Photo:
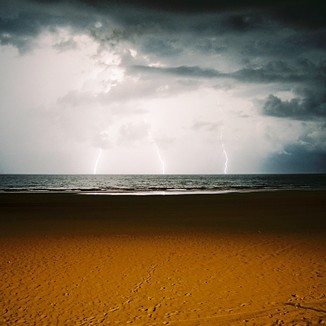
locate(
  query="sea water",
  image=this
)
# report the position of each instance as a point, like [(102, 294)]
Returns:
[(160, 184)]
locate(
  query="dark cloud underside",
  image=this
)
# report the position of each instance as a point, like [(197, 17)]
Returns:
[(296, 160)]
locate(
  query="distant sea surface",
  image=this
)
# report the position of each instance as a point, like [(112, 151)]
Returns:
[(160, 184)]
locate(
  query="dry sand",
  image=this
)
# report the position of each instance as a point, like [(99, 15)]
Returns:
[(235, 259)]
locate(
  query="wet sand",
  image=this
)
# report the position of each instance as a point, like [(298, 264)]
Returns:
[(233, 259)]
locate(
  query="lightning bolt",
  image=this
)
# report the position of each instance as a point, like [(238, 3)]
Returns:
[(226, 158), (100, 151), (158, 152), (225, 153)]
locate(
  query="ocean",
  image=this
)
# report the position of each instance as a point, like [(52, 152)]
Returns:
[(160, 184)]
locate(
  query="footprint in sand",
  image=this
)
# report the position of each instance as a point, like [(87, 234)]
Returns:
[(114, 309), (173, 313)]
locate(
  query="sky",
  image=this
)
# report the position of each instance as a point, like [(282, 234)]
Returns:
[(137, 87)]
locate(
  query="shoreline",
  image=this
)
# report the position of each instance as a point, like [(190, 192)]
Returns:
[(158, 192)]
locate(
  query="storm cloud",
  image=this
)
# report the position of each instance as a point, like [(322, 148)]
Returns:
[(81, 75)]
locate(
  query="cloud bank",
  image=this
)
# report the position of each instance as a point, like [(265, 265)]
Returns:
[(82, 75)]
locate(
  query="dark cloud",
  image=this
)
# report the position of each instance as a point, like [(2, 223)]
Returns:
[(297, 72), (306, 154), (182, 71), (274, 71), (310, 100), (304, 13), (296, 159), (21, 20), (302, 109), (282, 71), (244, 22), (164, 48)]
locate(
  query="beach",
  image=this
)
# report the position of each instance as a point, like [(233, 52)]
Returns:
[(226, 259)]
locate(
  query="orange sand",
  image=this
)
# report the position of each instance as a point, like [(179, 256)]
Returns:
[(85, 260)]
